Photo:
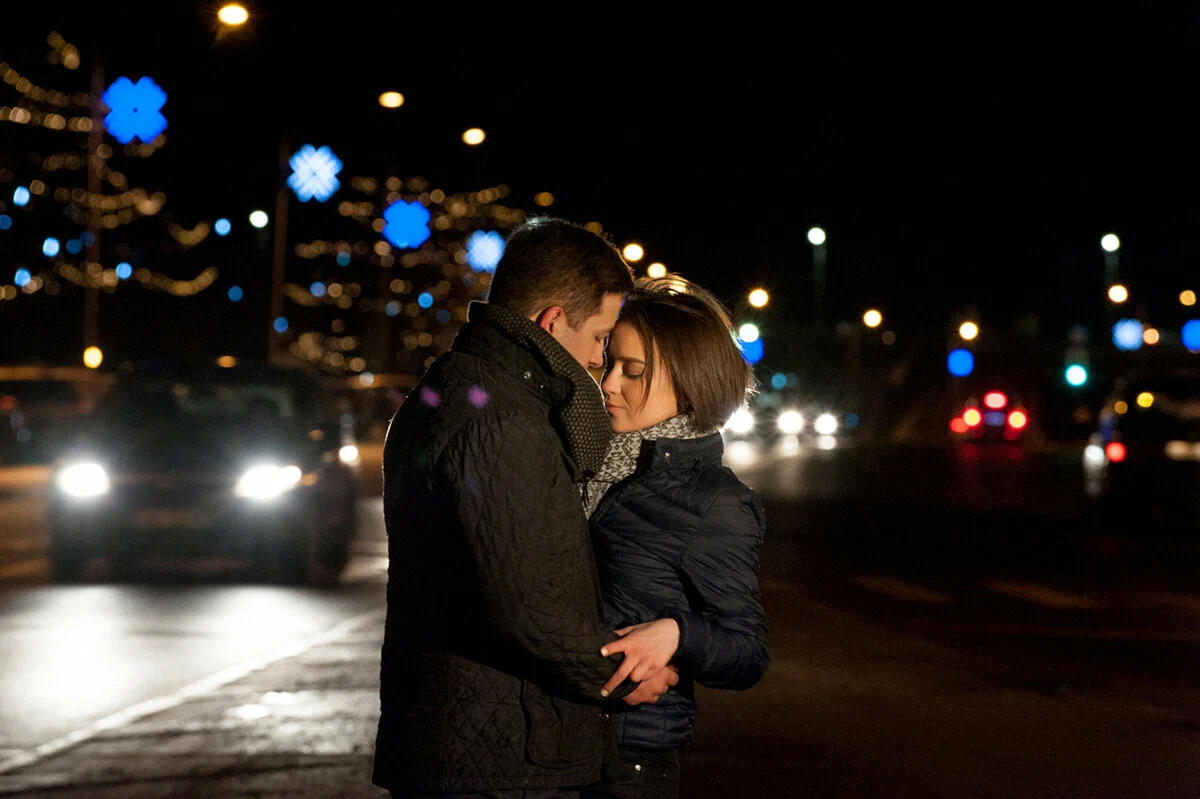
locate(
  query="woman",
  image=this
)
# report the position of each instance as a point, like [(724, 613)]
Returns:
[(676, 533)]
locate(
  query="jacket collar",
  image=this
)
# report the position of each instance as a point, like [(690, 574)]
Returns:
[(675, 454)]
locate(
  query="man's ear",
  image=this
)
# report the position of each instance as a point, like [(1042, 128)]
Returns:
[(550, 317)]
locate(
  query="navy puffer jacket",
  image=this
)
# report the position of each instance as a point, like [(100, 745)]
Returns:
[(680, 539)]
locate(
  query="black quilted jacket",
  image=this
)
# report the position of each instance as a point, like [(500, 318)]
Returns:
[(680, 538), (491, 665)]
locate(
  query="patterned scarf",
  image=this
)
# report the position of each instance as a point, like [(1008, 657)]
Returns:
[(580, 418), (625, 451)]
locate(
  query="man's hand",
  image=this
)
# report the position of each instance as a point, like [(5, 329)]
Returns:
[(649, 690), (648, 648)]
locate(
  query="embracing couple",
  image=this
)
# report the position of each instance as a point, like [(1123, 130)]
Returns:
[(566, 562)]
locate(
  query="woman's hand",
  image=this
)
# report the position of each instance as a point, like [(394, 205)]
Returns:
[(653, 687), (647, 647)]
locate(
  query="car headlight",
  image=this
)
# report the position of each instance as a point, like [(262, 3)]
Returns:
[(790, 422), (84, 480), (348, 455), (266, 482), (741, 422), (826, 424)]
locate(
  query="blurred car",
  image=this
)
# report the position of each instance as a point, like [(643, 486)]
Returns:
[(992, 417), (774, 417), (250, 462), (1143, 462)]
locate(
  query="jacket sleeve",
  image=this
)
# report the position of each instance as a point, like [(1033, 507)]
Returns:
[(723, 637), (536, 575)]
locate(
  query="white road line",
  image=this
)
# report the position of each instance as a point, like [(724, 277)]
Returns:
[(25, 568), (1043, 595), (207, 685), (898, 589)]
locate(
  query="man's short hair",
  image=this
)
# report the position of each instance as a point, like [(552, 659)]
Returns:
[(549, 262), (691, 332)]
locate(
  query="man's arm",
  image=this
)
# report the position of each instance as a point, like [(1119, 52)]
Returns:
[(516, 504)]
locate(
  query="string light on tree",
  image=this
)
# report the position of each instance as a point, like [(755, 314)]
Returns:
[(759, 298), (474, 136), (391, 99), (633, 252), (656, 270), (233, 14)]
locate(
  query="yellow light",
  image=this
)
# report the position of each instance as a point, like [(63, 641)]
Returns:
[(391, 99), (544, 199), (633, 252), (1145, 399), (1121, 407), (474, 136), (227, 362), (233, 14), (1150, 336), (759, 298), (1187, 298), (656, 270), (969, 331), (1118, 293), (872, 318), (93, 357)]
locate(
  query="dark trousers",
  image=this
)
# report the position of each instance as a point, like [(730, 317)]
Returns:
[(642, 774)]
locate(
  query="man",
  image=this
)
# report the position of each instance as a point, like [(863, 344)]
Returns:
[(492, 674)]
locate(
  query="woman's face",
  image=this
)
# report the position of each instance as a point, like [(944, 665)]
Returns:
[(624, 384)]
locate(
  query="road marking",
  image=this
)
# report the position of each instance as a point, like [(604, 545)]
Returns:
[(25, 568), (207, 685), (898, 589), (1163, 599), (1043, 595)]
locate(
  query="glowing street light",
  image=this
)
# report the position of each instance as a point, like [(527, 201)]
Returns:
[(259, 219), (93, 357), (968, 331), (656, 270), (748, 333), (759, 298), (633, 252), (233, 15), (872, 318), (391, 99), (816, 236), (1110, 243), (474, 136), (1118, 293), (1187, 298)]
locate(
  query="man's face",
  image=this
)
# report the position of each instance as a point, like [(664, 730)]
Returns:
[(586, 341)]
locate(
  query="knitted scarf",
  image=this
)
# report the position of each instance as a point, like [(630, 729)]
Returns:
[(625, 451), (580, 418)]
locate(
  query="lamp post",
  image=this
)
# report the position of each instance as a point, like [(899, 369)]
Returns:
[(816, 237)]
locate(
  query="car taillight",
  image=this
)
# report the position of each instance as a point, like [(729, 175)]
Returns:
[(972, 417), (1017, 420), (1115, 452), (995, 400)]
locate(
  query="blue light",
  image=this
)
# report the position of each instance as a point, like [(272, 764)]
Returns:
[(1191, 334), (961, 363), (88, 239), (22, 277), (425, 299), (443, 317), (1127, 334), (281, 325), (1076, 375), (21, 196), (314, 173), (406, 224), (74, 246), (134, 110), (484, 250), (235, 293), (222, 226), (50, 247), (392, 308), (5, 222), (753, 350), (850, 421), (343, 258), (779, 381), (317, 289), (124, 270)]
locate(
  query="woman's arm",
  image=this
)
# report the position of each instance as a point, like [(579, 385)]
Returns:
[(723, 636)]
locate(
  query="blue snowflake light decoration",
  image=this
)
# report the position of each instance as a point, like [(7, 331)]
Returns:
[(124, 270), (1191, 334), (484, 250), (406, 224), (50, 247), (134, 110), (425, 299), (314, 173), (22, 278)]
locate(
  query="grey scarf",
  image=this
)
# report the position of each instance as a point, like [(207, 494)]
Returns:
[(624, 452), (579, 417)]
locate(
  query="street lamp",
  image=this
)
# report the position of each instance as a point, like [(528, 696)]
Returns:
[(1118, 293), (1110, 243), (816, 236), (759, 298), (474, 136), (391, 99), (1112, 257), (968, 331), (633, 252), (872, 318), (259, 219), (233, 15), (748, 332), (93, 357)]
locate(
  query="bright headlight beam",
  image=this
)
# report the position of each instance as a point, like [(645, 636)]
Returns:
[(84, 480), (790, 422), (826, 424), (267, 482)]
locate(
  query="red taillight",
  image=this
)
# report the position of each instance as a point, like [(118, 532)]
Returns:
[(972, 417), (995, 400), (958, 426), (1115, 452), (1017, 420), (8, 403)]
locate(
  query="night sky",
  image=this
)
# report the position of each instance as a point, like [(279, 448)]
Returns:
[(954, 159)]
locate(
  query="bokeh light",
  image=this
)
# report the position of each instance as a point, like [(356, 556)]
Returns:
[(5, 221), (968, 331), (633, 252), (474, 136), (1017, 420), (50, 247), (74, 246), (872, 318), (281, 324), (1150, 336), (748, 332), (235, 293), (753, 351), (20, 196), (425, 299), (1110, 242), (22, 278), (1077, 375), (227, 362), (779, 381), (93, 357), (233, 14), (960, 363), (816, 236), (1187, 298), (1118, 293), (656, 270), (343, 258), (972, 417), (485, 248), (392, 308), (222, 227), (317, 289), (259, 219), (124, 270), (1127, 334), (1121, 407), (544, 198), (391, 99), (1191, 334), (1145, 399), (759, 298)]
